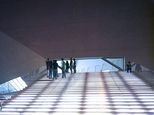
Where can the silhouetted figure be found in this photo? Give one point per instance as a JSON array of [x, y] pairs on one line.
[[138, 68], [63, 68], [55, 69], [50, 69], [67, 66], [47, 66], [129, 67], [74, 65], [71, 65]]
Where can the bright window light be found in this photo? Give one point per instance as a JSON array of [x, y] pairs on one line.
[[14, 85], [22, 82], [18, 84]]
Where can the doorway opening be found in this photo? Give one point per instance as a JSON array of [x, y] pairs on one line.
[[97, 64]]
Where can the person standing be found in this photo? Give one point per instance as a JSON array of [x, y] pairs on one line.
[[74, 65], [71, 65], [63, 68], [67, 66], [50, 69], [47, 66], [55, 69], [129, 67]]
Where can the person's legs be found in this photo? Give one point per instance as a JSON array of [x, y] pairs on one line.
[[127, 70], [71, 69], [50, 74], [63, 74], [130, 69], [75, 70], [54, 74]]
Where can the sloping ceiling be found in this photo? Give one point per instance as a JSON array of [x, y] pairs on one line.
[[78, 28]]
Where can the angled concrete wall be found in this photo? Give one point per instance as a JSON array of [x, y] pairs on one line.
[[15, 59]]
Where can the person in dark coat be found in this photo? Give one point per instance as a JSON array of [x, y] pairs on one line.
[[47, 66], [71, 65], [50, 69], [74, 65], [63, 68], [129, 67], [55, 69], [67, 67]]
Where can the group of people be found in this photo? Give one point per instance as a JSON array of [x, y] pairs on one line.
[[52, 67]]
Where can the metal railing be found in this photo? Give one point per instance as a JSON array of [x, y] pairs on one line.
[[13, 87]]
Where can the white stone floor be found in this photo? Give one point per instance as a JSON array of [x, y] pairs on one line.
[[114, 93]]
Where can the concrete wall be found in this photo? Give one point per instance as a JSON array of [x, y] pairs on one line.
[[15, 59]]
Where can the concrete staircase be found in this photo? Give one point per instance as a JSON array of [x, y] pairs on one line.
[[114, 93]]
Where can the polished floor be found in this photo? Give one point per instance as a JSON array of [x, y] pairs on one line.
[[114, 93]]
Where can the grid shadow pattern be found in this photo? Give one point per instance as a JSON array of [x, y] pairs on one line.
[[108, 93]]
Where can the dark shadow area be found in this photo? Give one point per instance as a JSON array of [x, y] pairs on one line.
[[108, 94], [34, 76], [57, 101], [84, 94], [146, 77], [134, 94], [36, 97]]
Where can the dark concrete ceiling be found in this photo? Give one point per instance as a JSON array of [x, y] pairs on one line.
[[55, 28]]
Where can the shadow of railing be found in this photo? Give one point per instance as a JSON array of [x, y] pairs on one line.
[[133, 93], [109, 95], [84, 94], [60, 95]]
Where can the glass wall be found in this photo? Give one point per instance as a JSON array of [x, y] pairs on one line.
[[11, 87], [97, 64], [7, 89]]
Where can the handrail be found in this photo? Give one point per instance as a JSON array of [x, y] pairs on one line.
[[119, 68], [31, 77]]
